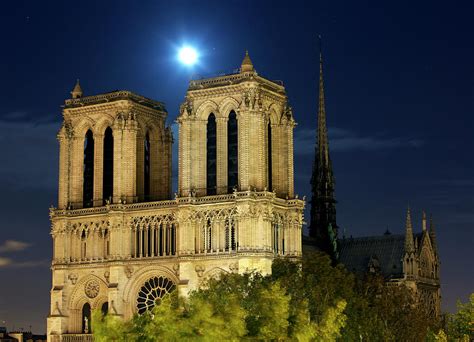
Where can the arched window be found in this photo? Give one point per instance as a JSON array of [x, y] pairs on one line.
[[232, 153], [211, 166], [147, 168], [105, 308], [86, 319], [108, 175], [88, 181], [230, 244], [269, 154], [208, 236]]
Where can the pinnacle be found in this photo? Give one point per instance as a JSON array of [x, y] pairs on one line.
[[77, 91], [247, 64]]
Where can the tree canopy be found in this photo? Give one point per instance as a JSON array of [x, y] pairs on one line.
[[307, 299]]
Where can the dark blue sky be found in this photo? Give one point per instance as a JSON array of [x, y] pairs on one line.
[[399, 95]]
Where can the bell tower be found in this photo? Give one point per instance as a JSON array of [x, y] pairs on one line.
[[114, 148], [236, 134]]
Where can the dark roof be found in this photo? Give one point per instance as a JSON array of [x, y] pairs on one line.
[[386, 250]]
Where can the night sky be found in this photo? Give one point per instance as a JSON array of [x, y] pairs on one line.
[[399, 81]]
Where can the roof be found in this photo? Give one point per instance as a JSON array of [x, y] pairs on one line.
[[385, 251], [114, 96]]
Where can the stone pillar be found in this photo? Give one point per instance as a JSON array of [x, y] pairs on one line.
[[140, 171], [129, 160], [183, 158], [118, 141], [244, 146], [64, 181], [290, 163], [199, 157], [77, 172]]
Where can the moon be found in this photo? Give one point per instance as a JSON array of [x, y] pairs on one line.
[[188, 55]]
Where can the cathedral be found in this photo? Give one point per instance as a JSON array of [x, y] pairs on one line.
[[122, 240]]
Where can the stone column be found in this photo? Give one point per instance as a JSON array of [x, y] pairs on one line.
[[77, 172], [64, 181], [140, 171], [118, 140], [129, 159], [244, 146], [290, 162]]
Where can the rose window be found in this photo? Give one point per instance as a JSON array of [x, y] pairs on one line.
[[91, 288], [152, 291]]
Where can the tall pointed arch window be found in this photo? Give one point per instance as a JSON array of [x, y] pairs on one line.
[[86, 318], [269, 154], [232, 153], [88, 172], [147, 167], [108, 175], [211, 166]]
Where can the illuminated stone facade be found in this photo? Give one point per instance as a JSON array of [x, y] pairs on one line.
[[120, 240]]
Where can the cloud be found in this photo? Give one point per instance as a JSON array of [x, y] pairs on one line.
[[345, 140], [13, 246], [14, 116], [9, 263], [5, 262]]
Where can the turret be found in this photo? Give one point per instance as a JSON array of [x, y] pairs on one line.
[[247, 64], [409, 243], [77, 91]]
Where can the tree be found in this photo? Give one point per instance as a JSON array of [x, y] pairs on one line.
[[232, 308], [461, 324], [306, 299]]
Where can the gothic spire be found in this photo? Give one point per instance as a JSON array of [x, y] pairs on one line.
[[409, 244], [323, 209], [322, 128]]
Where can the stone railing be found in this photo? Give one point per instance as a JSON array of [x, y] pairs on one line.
[[172, 204], [233, 79], [116, 95], [72, 338]]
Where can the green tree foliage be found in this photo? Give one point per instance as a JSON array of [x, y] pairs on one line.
[[461, 324], [302, 300]]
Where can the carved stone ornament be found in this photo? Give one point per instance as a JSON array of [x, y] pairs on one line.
[[107, 275], [73, 278], [91, 288], [176, 269], [129, 271], [200, 270]]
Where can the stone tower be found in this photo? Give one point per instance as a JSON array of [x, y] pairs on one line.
[[120, 242], [323, 227]]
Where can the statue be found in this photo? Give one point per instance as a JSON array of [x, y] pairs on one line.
[[86, 325]]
